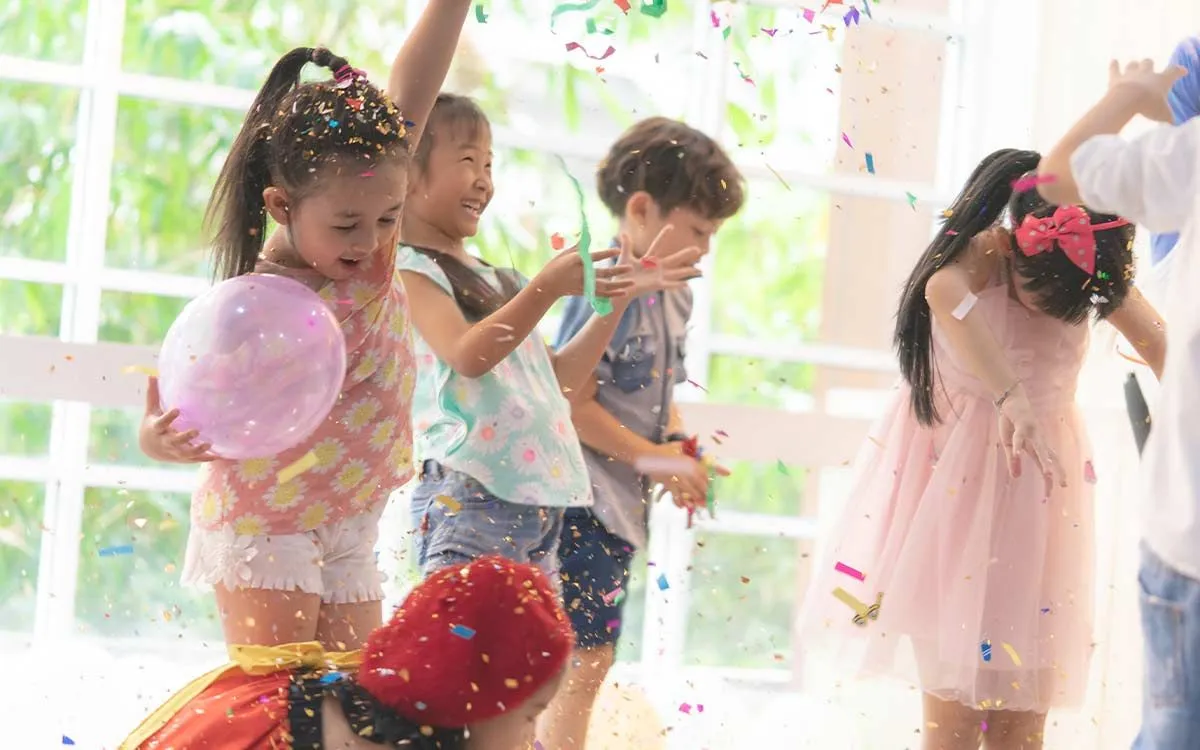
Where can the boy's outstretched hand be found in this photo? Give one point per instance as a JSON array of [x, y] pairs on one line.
[[657, 269], [162, 442], [1151, 86]]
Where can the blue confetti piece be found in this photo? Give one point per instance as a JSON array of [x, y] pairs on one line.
[[67, 740], [462, 631], [124, 549], [985, 648], [662, 582], [870, 162], [331, 678]]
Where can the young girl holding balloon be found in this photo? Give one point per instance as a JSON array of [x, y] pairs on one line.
[[963, 561], [499, 457], [287, 540]]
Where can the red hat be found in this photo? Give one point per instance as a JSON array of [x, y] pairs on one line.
[[468, 644]]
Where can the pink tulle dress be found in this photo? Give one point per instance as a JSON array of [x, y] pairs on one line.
[[986, 583]]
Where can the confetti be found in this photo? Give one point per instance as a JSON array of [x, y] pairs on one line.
[[983, 725], [511, 684], [623, 5], [846, 139], [662, 582], [781, 467], [452, 505], [613, 625], [965, 306], [1012, 653], [842, 567], [848, 599], [685, 708], [577, 46], [867, 8], [537, 744], [1025, 184], [1089, 472], [912, 200], [809, 15], [67, 740], [296, 468], [600, 305], [462, 631], [480, 13], [653, 8], [870, 163], [985, 650], [851, 17], [123, 549], [742, 73], [562, 8], [140, 370]]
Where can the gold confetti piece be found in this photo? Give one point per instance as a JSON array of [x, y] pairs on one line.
[[510, 683], [848, 599], [404, 674], [1012, 653], [140, 370], [296, 468], [451, 504]]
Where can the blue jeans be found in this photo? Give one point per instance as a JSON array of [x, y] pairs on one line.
[[457, 520], [1170, 605], [595, 572]]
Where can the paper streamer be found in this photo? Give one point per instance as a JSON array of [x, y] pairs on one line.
[[606, 54], [296, 468], [965, 306], [562, 8], [601, 306]]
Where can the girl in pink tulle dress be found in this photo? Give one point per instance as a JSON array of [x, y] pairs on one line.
[[971, 512]]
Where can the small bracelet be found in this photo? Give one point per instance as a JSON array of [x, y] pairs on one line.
[[999, 402]]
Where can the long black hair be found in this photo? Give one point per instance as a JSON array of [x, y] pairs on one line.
[[461, 116], [1062, 290], [291, 131]]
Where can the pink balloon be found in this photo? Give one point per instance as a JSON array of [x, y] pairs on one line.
[[254, 365]]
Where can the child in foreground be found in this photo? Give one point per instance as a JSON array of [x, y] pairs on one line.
[[669, 185], [971, 513], [1155, 181], [467, 662]]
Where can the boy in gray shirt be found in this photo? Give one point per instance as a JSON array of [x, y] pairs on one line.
[[672, 186]]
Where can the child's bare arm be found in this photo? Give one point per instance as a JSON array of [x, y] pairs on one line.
[[420, 67], [1143, 328]]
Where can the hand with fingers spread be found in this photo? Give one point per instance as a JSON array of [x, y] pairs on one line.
[[1021, 434], [658, 269], [1148, 86], [162, 442], [563, 275]]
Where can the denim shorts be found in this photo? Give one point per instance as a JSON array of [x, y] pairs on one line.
[[595, 578], [457, 520], [1170, 605]]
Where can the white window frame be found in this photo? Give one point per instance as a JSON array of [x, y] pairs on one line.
[[65, 471]]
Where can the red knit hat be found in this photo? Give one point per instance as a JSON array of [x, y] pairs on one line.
[[468, 644]]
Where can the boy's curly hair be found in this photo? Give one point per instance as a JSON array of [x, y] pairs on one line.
[[676, 165]]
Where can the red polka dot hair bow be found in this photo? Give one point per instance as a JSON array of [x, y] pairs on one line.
[[1071, 228]]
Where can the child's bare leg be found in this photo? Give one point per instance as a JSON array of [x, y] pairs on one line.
[[267, 617], [345, 627], [564, 725], [950, 725], [1014, 730]]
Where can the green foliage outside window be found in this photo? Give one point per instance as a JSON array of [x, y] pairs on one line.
[[767, 273]]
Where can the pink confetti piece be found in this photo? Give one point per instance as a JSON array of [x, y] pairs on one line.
[[1025, 184], [842, 567], [983, 726], [809, 15], [846, 138], [612, 624], [770, 32], [1089, 472], [685, 708], [722, 433], [716, 22], [742, 73], [571, 46]]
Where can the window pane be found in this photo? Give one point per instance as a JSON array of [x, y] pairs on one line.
[[770, 265], [759, 382], [791, 100], [29, 309], [138, 593], [45, 30], [743, 591], [26, 429], [754, 487], [20, 542], [235, 43], [35, 197], [113, 438], [137, 318], [166, 160]]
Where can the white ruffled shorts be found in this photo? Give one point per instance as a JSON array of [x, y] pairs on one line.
[[336, 561]]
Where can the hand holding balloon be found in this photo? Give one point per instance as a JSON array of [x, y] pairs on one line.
[[161, 441]]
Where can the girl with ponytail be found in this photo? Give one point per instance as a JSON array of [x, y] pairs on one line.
[[293, 561], [970, 514]]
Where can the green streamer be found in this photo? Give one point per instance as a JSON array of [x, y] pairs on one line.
[[570, 7], [602, 306]]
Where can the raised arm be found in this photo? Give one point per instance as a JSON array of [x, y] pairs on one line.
[[1143, 328], [420, 67]]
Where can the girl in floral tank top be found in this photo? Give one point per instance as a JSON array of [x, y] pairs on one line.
[[293, 560]]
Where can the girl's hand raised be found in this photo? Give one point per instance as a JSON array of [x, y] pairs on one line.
[[563, 275], [657, 269], [1021, 433], [1149, 87]]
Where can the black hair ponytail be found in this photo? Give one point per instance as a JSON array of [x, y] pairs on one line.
[[979, 206], [475, 296], [290, 128]]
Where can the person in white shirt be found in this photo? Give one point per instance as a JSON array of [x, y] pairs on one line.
[[1153, 180]]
